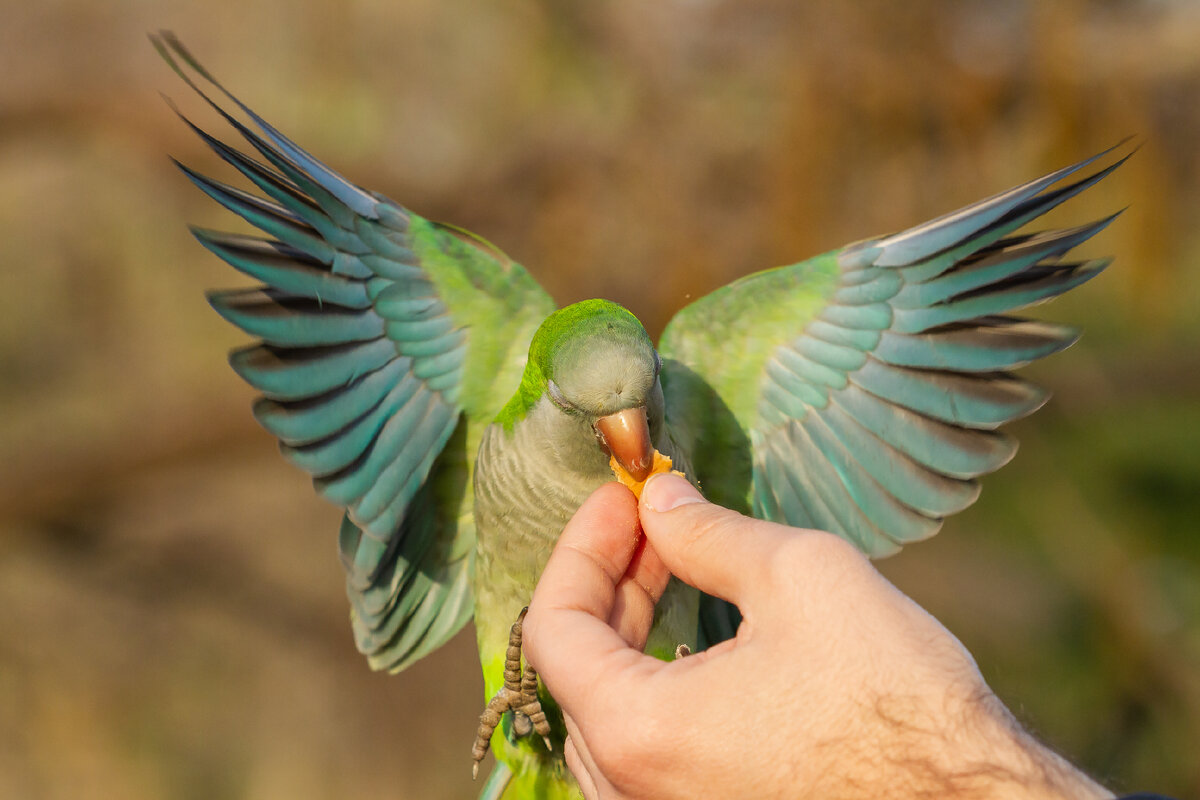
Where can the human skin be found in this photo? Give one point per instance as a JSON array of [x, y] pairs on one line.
[[837, 685]]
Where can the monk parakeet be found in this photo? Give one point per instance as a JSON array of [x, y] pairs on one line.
[[431, 389]]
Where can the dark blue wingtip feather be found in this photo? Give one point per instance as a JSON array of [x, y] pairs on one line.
[[173, 51], [944, 232]]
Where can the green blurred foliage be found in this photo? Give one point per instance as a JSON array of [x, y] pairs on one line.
[[174, 622]]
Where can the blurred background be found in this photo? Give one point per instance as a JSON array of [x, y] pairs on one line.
[[173, 621]]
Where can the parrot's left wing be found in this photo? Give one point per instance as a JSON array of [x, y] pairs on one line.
[[388, 343], [858, 392]]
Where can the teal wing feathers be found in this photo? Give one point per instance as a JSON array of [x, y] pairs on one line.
[[859, 392], [386, 344]]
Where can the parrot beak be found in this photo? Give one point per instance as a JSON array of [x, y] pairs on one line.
[[626, 435]]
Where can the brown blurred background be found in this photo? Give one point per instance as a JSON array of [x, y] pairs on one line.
[[173, 623]]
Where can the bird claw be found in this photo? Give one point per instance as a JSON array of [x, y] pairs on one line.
[[518, 695], [682, 651]]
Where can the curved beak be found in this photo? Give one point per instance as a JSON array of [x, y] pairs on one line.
[[626, 435]]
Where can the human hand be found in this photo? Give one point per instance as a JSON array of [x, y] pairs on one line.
[[836, 685]]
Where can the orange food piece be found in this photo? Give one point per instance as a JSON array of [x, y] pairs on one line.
[[661, 463]]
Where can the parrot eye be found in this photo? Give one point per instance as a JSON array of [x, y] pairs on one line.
[[556, 396]]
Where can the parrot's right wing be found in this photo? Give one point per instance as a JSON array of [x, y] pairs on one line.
[[858, 392], [388, 342]]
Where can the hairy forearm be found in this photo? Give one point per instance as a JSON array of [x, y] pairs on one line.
[[970, 747]]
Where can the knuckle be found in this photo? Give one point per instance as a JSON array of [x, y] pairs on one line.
[[805, 558], [829, 548], [784, 548], [837, 570]]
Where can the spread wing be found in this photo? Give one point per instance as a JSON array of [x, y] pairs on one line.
[[386, 344], [859, 392]]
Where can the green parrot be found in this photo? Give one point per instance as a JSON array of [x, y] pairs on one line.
[[431, 389]]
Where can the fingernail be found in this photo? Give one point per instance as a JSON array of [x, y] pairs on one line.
[[665, 491]]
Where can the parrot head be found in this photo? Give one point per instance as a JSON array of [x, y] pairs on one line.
[[595, 364]]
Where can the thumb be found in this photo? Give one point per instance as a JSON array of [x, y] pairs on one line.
[[712, 548]]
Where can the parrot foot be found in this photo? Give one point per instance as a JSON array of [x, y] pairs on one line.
[[682, 651], [518, 694]]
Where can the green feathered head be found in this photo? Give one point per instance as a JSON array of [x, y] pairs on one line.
[[593, 357]]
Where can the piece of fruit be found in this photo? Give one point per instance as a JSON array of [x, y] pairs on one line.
[[661, 463]]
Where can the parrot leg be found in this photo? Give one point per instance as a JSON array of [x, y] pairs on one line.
[[519, 695]]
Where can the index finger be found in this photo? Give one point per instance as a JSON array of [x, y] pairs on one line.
[[567, 635]]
